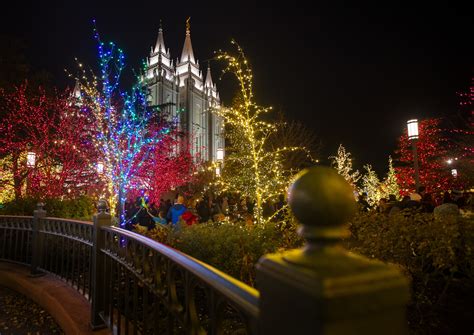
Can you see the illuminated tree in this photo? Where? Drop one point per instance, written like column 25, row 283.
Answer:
column 343, row 164
column 250, row 168
column 371, row 185
column 127, row 129
column 51, row 127
column 7, row 189
column 390, row 183
column 463, row 136
column 166, row 170
column 295, row 134
column 433, row 151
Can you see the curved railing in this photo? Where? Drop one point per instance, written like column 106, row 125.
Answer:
column 141, row 286
column 182, row 292
column 63, row 247
column 67, row 251
column 16, row 238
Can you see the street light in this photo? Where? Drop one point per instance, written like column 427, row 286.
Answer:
column 100, row 168
column 31, row 159
column 220, row 154
column 413, row 136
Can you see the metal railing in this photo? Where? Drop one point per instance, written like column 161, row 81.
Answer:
column 138, row 286
column 145, row 280
column 135, row 285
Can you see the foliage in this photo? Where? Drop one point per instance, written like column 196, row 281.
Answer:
column 231, row 247
column 7, row 189
column 436, row 254
column 80, row 208
column 343, row 164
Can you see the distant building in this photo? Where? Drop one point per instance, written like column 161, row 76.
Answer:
column 181, row 85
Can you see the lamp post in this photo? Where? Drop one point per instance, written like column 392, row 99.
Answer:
column 30, row 159
column 30, row 164
column 220, row 160
column 100, row 168
column 413, row 136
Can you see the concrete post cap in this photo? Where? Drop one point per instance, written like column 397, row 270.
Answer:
column 321, row 200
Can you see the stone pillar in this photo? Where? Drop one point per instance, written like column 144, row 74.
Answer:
column 101, row 219
column 322, row 288
column 37, row 240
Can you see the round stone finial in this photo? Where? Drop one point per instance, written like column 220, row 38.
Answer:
column 40, row 206
column 102, row 206
column 321, row 199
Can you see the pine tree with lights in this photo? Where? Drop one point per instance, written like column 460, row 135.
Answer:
column 251, row 169
column 371, row 185
column 390, row 183
column 343, row 164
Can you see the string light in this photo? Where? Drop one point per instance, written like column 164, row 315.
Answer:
column 44, row 145
column 134, row 140
column 343, row 165
column 250, row 168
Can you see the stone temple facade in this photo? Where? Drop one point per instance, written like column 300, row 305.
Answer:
column 181, row 85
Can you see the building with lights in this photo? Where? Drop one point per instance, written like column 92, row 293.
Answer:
column 181, row 85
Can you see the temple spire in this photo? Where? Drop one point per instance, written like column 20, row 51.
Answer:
column 187, row 53
column 76, row 92
column 208, row 77
column 160, row 42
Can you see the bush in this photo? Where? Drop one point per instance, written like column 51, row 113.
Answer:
column 436, row 254
column 81, row 208
column 233, row 248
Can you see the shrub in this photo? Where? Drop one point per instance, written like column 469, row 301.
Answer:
column 436, row 254
column 81, row 208
column 233, row 248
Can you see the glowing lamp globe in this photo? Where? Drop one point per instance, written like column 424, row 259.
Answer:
column 100, row 168
column 30, row 159
column 220, row 154
column 412, row 129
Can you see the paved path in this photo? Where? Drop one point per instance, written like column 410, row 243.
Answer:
column 20, row 315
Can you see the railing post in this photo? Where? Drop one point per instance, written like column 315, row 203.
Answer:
column 322, row 288
column 37, row 239
column 101, row 219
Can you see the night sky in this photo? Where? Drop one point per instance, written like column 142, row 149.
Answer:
column 353, row 73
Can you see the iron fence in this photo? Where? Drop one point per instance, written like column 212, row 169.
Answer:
column 135, row 285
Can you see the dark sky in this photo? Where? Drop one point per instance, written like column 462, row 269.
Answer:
column 353, row 73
